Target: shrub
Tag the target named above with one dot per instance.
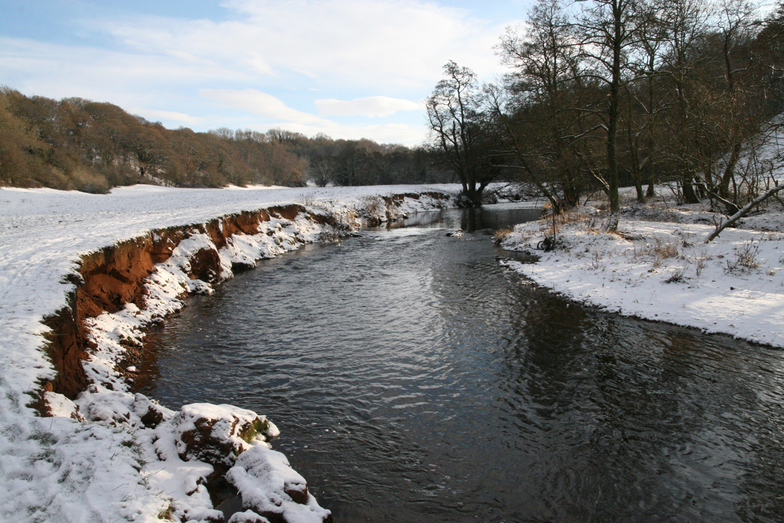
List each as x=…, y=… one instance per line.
x=745, y=258
x=662, y=251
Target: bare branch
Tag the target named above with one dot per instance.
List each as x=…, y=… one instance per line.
x=743, y=212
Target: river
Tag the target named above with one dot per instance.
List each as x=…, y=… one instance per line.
x=415, y=379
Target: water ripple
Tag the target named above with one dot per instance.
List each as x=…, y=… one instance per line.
x=414, y=379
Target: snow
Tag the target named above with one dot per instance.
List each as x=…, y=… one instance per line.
x=97, y=459
x=100, y=458
x=264, y=477
x=664, y=270
x=659, y=267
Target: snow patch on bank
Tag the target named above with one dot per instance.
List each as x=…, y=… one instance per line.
x=663, y=270
x=108, y=401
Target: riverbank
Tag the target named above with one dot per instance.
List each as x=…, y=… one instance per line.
x=659, y=267
x=100, y=269
x=108, y=454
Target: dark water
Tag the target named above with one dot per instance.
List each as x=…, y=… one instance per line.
x=416, y=380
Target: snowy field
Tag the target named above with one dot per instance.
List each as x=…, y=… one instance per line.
x=113, y=467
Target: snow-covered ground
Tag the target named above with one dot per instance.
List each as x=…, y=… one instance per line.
x=659, y=266
x=102, y=458
x=99, y=458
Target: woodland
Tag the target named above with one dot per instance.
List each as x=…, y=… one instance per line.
x=77, y=144
x=608, y=93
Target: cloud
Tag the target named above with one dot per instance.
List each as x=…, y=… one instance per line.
x=371, y=106
x=263, y=104
x=171, y=116
x=119, y=77
x=398, y=44
x=278, y=60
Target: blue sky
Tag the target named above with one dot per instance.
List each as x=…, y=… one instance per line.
x=346, y=68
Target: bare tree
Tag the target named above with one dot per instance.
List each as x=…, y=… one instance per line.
x=459, y=132
x=735, y=29
x=686, y=23
x=543, y=125
x=322, y=170
x=609, y=29
x=646, y=101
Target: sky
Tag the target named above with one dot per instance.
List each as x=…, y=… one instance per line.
x=347, y=68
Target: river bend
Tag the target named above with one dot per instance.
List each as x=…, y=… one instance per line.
x=415, y=379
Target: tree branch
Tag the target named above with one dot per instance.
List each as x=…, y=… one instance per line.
x=743, y=212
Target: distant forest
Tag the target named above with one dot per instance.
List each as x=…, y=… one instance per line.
x=92, y=146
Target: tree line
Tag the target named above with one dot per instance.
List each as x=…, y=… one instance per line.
x=605, y=93
x=599, y=94
x=90, y=146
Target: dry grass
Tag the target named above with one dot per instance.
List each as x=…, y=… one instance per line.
x=665, y=250
x=659, y=251
x=571, y=217
x=374, y=204
x=502, y=234
x=702, y=261
x=596, y=262
x=678, y=276
x=308, y=199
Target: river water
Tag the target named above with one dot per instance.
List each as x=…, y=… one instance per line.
x=414, y=379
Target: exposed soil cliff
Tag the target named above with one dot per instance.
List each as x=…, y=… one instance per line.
x=114, y=276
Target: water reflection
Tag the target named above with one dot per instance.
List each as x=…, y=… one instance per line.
x=496, y=217
x=414, y=379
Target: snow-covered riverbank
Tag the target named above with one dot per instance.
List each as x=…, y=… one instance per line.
x=659, y=267
x=119, y=456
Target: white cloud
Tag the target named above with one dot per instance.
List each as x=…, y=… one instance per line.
x=398, y=44
x=123, y=78
x=384, y=133
x=172, y=116
x=270, y=107
x=371, y=106
x=263, y=104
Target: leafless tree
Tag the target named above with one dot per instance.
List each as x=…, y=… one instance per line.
x=609, y=29
x=542, y=125
x=455, y=116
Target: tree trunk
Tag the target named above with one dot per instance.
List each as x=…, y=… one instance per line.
x=612, y=124
x=729, y=171
x=689, y=195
